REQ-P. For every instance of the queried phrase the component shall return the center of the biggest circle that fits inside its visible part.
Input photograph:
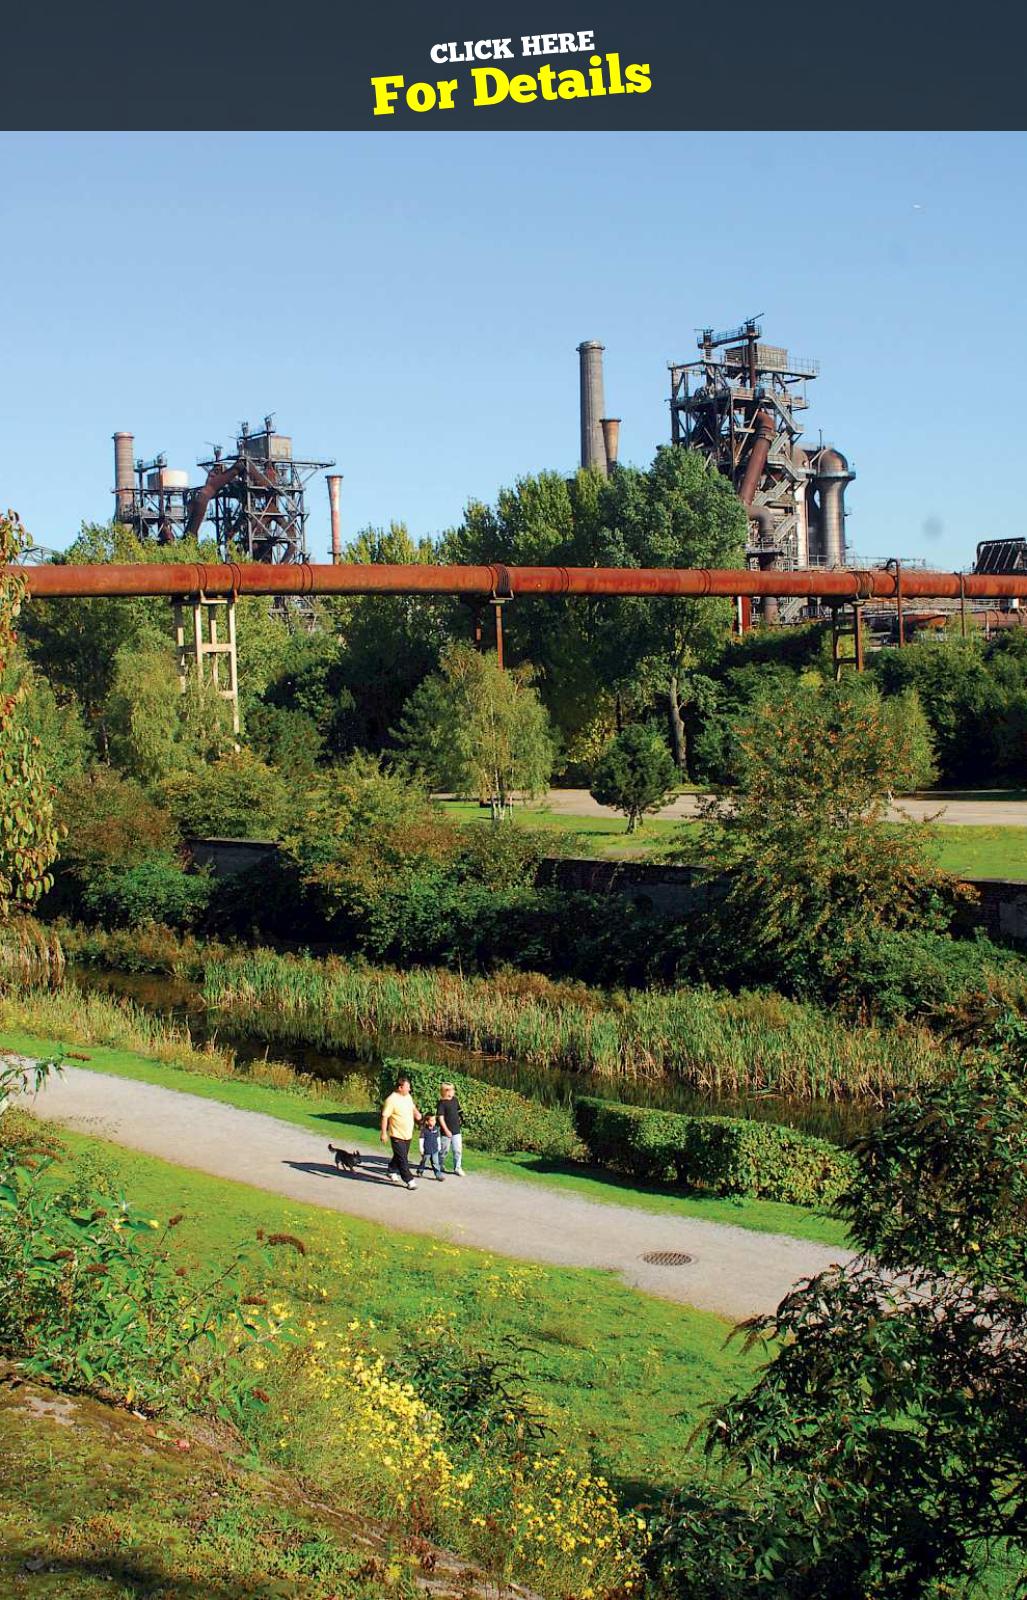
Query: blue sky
(410, 304)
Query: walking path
(732, 1271)
(982, 813)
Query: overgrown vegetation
(884, 1447)
(814, 877)
(499, 1463)
(29, 832)
(716, 1042)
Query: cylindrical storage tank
(124, 475)
(168, 478)
(832, 475)
(800, 460)
(593, 405)
(334, 482)
(611, 440)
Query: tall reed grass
(30, 954)
(716, 1043)
(74, 1018)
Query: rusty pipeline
(160, 578)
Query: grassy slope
(597, 1350)
(972, 852)
(343, 1120)
(95, 1502)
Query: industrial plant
(254, 499)
(738, 404)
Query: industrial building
(254, 498)
(739, 404)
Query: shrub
(636, 773)
(906, 973)
(111, 822)
(364, 834)
(156, 889)
(93, 1298)
(496, 1119)
(236, 797)
(727, 1155)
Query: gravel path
(733, 1272)
(983, 813)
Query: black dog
(348, 1159)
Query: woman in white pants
(451, 1122)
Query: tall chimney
(334, 482)
(124, 475)
(593, 450)
(833, 474)
(611, 440)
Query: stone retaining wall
(1001, 908)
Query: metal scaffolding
(258, 506)
(738, 405)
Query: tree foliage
(111, 822)
(364, 834)
(635, 774)
(29, 831)
(883, 1450)
(477, 730)
(813, 869)
(155, 728)
(648, 652)
(236, 797)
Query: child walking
(431, 1149)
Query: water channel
(341, 1051)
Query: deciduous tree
(477, 730)
(29, 832)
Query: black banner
(552, 65)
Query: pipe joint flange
(864, 585)
(502, 589)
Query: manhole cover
(666, 1258)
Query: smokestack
(832, 475)
(334, 482)
(593, 450)
(124, 475)
(611, 440)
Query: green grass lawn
(594, 1350)
(353, 1119)
(593, 836)
(984, 852)
(971, 852)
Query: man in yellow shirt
(399, 1113)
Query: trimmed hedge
(494, 1119)
(725, 1155)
